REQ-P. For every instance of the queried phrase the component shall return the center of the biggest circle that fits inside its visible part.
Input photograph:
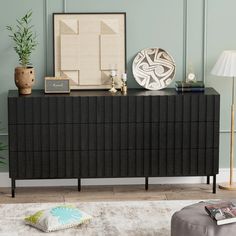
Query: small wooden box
(56, 85)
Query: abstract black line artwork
(154, 68)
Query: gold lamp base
(228, 186)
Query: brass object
(24, 79)
(113, 89)
(231, 186)
(124, 88)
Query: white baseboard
(5, 181)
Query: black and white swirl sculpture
(154, 68)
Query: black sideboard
(94, 134)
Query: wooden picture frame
(87, 46)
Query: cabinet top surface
(106, 93)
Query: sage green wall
(150, 23)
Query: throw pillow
(57, 218)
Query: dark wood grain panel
(107, 110)
(76, 108)
(13, 137)
(92, 110)
(20, 110)
(28, 111)
(194, 109)
(147, 109)
(53, 164)
(155, 109)
(116, 164)
(131, 109)
(131, 163)
(139, 163)
(140, 110)
(116, 108)
(12, 111)
(210, 106)
(193, 162)
(69, 110)
(108, 163)
(123, 163)
(186, 162)
(179, 108)
(170, 162)
(186, 108)
(171, 109)
(162, 157)
(217, 108)
(44, 111)
(154, 163)
(124, 110)
(202, 107)
(84, 110)
(53, 110)
(100, 110)
(146, 162)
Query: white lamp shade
(226, 64)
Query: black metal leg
(208, 179)
(146, 183)
(13, 187)
(79, 184)
(214, 183)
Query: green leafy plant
(24, 38)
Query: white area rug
(133, 218)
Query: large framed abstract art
(88, 46)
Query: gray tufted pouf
(194, 221)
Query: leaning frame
(87, 46)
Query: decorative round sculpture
(154, 68)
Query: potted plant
(25, 41)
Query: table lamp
(226, 67)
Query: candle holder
(113, 89)
(124, 87)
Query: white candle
(113, 73)
(124, 77)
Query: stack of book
(223, 212)
(182, 86)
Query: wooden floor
(113, 193)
